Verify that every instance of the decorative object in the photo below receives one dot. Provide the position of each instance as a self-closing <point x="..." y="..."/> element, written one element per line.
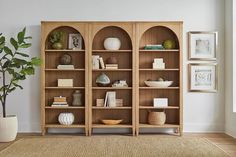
<point x="202" y="45"/>
<point x="111" y="121"/>
<point x="65" y="67"/>
<point x="110" y="99"/>
<point x="65" y="82"/>
<point x="66" y="118"/>
<point x="66" y="59"/>
<point x="158" y="63"/>
<point x="160" y="102"/>
<point x="111" y="66"/>
<point x="153" y="47"/>
<point x="100" y="102"/>
<point x="95" y="59"/>
<point x="119" y="102"/>
<point x="15" y="67"/>
<point x="75" y="41"/>
<point x="169" y="44"/>
<point x="156" y="118"/>
<point x="160" y="84"/>
<point x="77" y="96"/>
<point x="60" y="102"/>
<point x="120" y="83"/>
<point x="112" y="43"/>
<point x="55" y="39"/>
<point x="103" y="80"/>
<point x="101" y="63"/>
<point x="112" y="60"/>
<point x="203" y="77"/>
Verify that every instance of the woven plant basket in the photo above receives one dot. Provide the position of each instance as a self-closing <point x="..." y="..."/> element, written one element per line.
<point x="156" y="118"/>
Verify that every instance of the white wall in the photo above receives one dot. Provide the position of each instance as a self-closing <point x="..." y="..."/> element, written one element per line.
<point x="230" y="74"/>
<point x="202" y="111"/>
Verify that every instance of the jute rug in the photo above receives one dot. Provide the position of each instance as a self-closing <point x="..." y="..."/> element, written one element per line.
<point x="112" y="146"/>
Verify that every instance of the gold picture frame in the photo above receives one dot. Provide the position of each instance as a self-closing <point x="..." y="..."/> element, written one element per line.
<point x="202" y="45"/>
<point x="203" y="77"/>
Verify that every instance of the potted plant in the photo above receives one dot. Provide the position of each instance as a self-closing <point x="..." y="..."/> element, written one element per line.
<point x="15" y="65"/>
<point x="55" y="39"/>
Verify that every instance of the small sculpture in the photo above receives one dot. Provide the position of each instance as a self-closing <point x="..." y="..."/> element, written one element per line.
<point x="103" y="80"/>
<point x="66" y="59"/>
<point x="77" y="95"/>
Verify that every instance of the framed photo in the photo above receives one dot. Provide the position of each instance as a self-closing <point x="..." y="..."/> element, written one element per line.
<point x="203" y="77"/>
<point x="75" y="41"/>
<point x="202" y="45"/>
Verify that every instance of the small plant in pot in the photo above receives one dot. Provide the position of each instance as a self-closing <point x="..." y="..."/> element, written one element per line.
<point x="55" y="39"/>
<point x="15" y="65"/>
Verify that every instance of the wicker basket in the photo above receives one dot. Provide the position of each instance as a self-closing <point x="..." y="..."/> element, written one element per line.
<point x="156" y="118"/>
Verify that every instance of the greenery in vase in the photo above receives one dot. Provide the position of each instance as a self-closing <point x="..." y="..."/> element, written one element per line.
<point x="15" y="64"/>
<point x="56" y="37"/>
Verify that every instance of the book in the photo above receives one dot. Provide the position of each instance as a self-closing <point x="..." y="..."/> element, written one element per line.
<point x="101" y="63"/>
<point x="59" y="103"/>
<point x="66" y="105"/>
<point x="105" y="102"/>
<point x="111" y="65"/>
<point x="111" y="99"/>
<point x="65" y="67"/>
<point x="95" y="61"/>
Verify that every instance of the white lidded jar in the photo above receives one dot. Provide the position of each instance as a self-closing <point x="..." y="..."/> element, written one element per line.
<point x="112" y="43"/>
<point x="66" y="118"/>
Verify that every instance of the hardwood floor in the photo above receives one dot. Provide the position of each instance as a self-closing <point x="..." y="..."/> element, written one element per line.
<point x="223" y="141"/>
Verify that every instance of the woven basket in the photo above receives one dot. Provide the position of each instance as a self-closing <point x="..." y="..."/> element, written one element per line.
<point x="156" y="118"/>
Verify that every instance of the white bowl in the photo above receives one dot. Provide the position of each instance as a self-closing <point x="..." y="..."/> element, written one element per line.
<point x="158" y="83"/>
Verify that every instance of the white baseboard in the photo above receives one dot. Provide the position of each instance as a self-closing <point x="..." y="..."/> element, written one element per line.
<point x="203" y="128"/>
<point x="230" y="130"/>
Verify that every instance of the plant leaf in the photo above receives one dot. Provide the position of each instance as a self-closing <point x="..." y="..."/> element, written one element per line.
<point x="7" y="50"/>
<point x="21" y="36"/>
<point x="14" y="43"/>
<point x="19" y="61"/>
<point x="26" y="45"/>
<point x="2" y="40"/>
<point x="28" y="71"/>
<point x="22" y="54"/>
<point x="36" y="61"/>
<point x="16" y="85"/>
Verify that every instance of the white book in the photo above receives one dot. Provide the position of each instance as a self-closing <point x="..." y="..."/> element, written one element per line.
<point x="95" y="61"/>
<point x="60" y="105"/>
<point x="111" y="99"/>
<point x="65" y="67"/>
<point x="101" y="62"/>
<point x="105" y="102"/>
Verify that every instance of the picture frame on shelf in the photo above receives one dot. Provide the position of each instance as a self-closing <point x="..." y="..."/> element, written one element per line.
<point x="202" y="45"/>
<point x="202" y="77"/>
<point x="75" y="41"/>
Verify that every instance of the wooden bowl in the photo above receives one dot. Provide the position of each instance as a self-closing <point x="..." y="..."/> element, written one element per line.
<point x="158" y="83"/>
<point x="111" y="121"/>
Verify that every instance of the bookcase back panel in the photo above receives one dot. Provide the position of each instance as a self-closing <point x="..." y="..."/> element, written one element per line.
<point x="171" y="59"/>
<point x="99" y="115"/>
<point x="52" y="59"/>
<point x="111" y="31"/>
<point x="126" y="95"/>
<point x="157" y="35"/>
<point x="52" y="115"/>
<point x="66" y="30"/>
<point x="146" y="96"/>
<point x="68" y="93"/>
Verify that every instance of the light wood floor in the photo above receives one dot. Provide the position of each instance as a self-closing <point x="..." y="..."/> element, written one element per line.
<point x="223" y="141"/>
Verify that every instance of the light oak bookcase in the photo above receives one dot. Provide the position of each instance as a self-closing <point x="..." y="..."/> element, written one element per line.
<point x="135" y="66"/>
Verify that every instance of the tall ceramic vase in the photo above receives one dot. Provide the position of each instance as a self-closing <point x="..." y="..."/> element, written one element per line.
<point x="8" y="128"/>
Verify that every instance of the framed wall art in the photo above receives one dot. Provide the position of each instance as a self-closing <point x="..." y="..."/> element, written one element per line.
<point x="202" y="45"/>
<point x="75" y="41"/>
<point x="203" y="77"/>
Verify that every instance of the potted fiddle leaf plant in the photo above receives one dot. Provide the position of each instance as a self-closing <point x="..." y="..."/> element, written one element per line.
<point x="15" y="66"/>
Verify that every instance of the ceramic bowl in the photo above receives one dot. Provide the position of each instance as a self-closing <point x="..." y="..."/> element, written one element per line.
<point x="111" y="121"/>
<point x="158" y="83"/>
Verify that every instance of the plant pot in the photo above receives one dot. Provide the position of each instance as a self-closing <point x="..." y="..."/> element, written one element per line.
<point x="112" y="43"/>
<point x="8" y="128"/>
<point x="57" y="46"/>
<point x="156" y="118"/>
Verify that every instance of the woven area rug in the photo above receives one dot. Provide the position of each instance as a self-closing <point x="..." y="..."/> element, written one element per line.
<point x="112" y="146"/>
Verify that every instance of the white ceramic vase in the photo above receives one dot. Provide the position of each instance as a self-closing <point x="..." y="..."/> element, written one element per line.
<point x="66" y="118"/>
<point x="8" y="128"/>
<point x="112" y="43"/>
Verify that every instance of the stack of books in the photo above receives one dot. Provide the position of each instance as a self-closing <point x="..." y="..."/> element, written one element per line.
<point x="60" y="102"/>
<point x="65" y="67"/>
<point x="111" y="66"/>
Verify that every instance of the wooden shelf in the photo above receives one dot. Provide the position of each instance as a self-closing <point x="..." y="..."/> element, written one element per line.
<point x="64" y="69"/>
<point x="52" y="50"/>
<point x="112" y="108"/>
<point x="64" y="87"/>
<point x="151" y="107"/>
<point x="158" y="69"/>
<point x="158" y="126"/>
<point x="70" y="107"/>
<point x="158" y="88"/>
<point x="109" y="51"/>
<point x="112" y="88"/>
<point x="112" y="70"/>
<point x="165" y="50"/>
<point x="111" y="126"/>
<point x="64" y="126"/>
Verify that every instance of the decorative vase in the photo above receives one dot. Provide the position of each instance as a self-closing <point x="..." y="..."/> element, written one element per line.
<point x="112" y="60"/>
<point x="77" y="98"/>
<point x="57" y="46"/>
<point x="156" y="118"/>
<point x="103" y="80"/>
<point x="66" y="118"/>
<point x="66" y="59"/>
<point x="112" y="43"/>
<point x="8" y="128"/>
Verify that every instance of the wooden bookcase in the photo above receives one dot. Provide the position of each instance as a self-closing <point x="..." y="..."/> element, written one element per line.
<point x="135" y="66"/>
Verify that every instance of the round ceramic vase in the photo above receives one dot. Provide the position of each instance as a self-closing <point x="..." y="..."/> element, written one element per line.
<point x="66" y="118"/>
<point x="112" y="43"/>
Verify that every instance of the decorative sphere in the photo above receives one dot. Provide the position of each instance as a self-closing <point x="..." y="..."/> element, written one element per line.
<point x="66" y="59"/>
<point x="112" y="43"/>
<point x="66" y="118"/>
<point x="169" y="44"/>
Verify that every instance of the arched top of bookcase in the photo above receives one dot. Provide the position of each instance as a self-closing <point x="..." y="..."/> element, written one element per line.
<point x="112" y="31"/>
<point x="66" y="31"/>
<point x="157" y="35"/>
